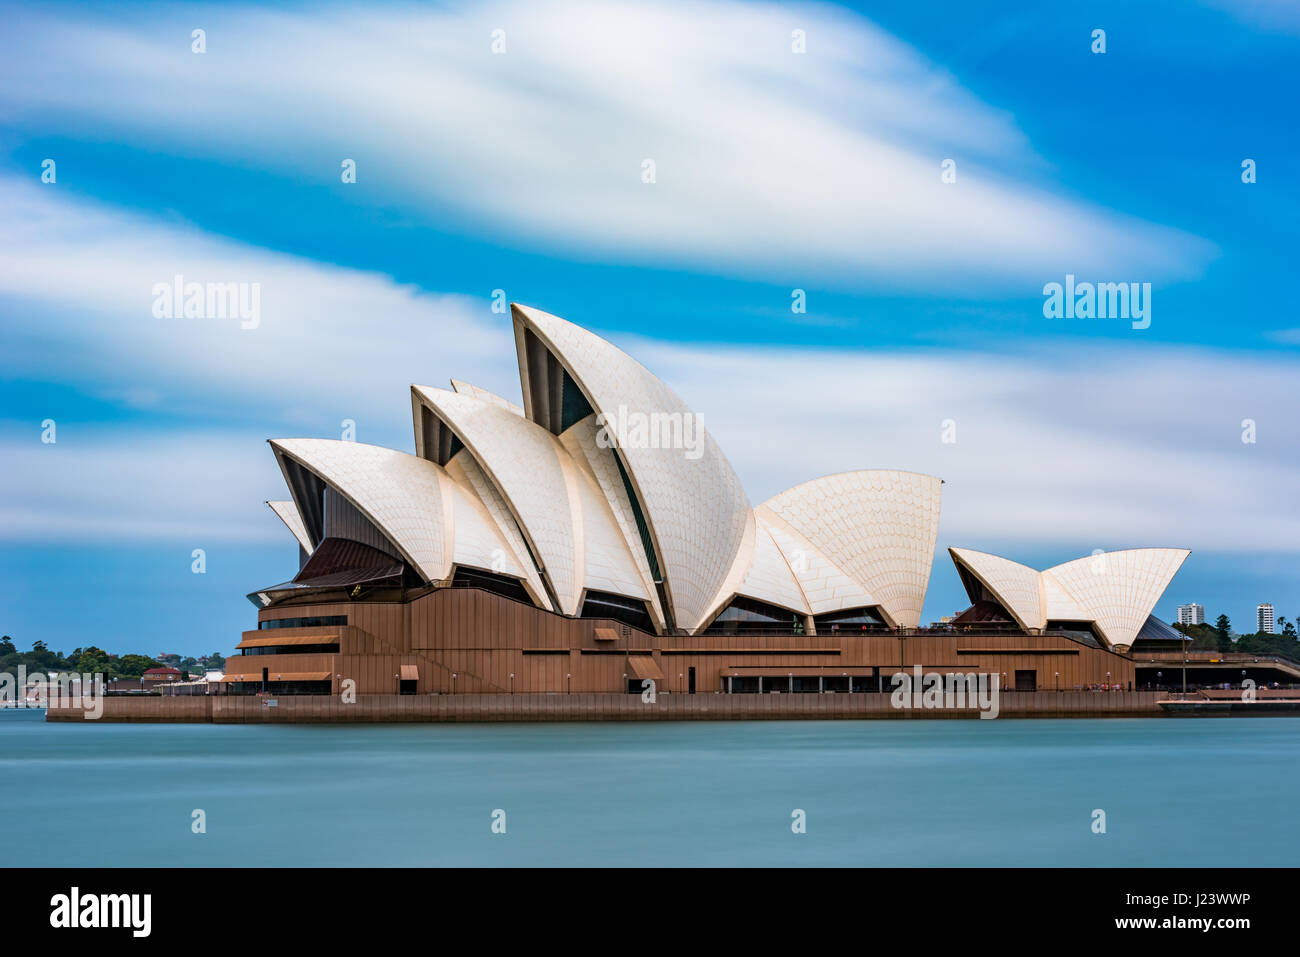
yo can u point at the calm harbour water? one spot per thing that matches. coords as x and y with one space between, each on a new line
1194 792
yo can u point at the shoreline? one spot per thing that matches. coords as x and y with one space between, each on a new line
311 709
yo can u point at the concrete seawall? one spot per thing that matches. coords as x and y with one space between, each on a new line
228 709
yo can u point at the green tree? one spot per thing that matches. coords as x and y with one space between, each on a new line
7 646
133 666
1261 643
94 661
1223 631
91 651
40 657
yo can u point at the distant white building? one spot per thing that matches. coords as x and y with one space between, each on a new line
1264 618
1191 614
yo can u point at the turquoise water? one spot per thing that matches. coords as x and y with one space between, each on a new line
1191 792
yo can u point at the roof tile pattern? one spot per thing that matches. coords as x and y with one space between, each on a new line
398 492
607 563
1119 589
524 462
1115 590
696 507
598 463
770 577
475 539
1018 587
879 526
464 470
1058 605
825 587
475 392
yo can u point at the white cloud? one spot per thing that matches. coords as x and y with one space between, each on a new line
1130 445
82 278
124 485
1059 445
815 167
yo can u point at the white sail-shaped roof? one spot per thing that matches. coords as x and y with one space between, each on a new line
770 578
557 495
554 500
400 494
878 526
1116 591
1119 589
604 557
465 472
434 521
782 567
600 467
475 392
1018 588
825 587
476 542
288 513
694 507
529 467
1058 604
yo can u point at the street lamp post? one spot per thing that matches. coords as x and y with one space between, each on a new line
1184 665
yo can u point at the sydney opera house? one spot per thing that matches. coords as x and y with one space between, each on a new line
598 537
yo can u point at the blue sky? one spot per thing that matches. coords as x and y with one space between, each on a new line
522 171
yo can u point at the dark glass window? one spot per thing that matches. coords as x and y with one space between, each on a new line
574 406
849 620
293 650
488 581
1080 631
319 621
631 611
283 687
749 615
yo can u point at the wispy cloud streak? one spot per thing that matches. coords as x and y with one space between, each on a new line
821 166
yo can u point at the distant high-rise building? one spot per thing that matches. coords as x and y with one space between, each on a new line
1264 616
1191 614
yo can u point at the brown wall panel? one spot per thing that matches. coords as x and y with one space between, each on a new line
482 638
